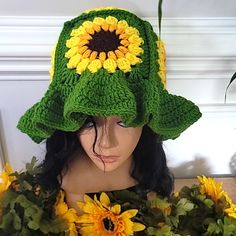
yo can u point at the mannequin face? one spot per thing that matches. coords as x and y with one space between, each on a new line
114 145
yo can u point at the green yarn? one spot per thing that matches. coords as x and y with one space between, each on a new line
138 96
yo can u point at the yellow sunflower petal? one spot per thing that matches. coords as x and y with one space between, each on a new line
73 62
119 31
132 58
130 213
87 198
98 20
85 37
111 55
88 24
124 64
72 42
122 24
131 30
83 42
116 209
4 182
102 56
96 27
90 30
135 49
119 53
123 49
95 65
231 212
93 55
71 52
135 39
79 31
104 199
112 28
138 226
8 169
82 65
110 65
70 215
82 49
87 53
123 36
211 188
124 42
111 20
105 26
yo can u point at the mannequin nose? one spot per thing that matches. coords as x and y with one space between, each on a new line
107 137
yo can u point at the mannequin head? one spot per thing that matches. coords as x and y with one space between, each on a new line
149 167
108 142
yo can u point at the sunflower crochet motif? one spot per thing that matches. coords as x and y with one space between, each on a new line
104 43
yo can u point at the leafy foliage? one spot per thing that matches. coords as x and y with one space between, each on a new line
202 209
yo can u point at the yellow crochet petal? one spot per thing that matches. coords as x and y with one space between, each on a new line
98 20
110 65
131 31
124 64
132 58
82 65
71 52
135 39
87 24
72 42
78 32
111 20
95 65
73 62
122 24
133 49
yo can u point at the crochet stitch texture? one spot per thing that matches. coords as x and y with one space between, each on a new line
107 63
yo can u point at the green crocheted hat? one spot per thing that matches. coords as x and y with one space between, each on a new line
108 62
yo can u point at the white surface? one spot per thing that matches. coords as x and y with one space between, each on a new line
171 8
201 58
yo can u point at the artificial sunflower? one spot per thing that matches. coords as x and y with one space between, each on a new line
231 211
104 43
5 178
102 218
69 215
209 187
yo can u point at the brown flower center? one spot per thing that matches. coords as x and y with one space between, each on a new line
108 224
104 41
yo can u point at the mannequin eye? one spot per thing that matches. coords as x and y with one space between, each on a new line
89 123
120 123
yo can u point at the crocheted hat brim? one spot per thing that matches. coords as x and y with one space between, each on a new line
168 115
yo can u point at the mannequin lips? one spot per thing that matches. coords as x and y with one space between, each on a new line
107 159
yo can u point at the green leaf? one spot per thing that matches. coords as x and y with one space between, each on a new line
159 16
6 221
230 82
16 221
208 202
213 229
25 232
164 231
184 206
31 167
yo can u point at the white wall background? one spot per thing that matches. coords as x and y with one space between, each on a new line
200 38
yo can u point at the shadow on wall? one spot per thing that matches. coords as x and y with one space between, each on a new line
198 166
232 164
